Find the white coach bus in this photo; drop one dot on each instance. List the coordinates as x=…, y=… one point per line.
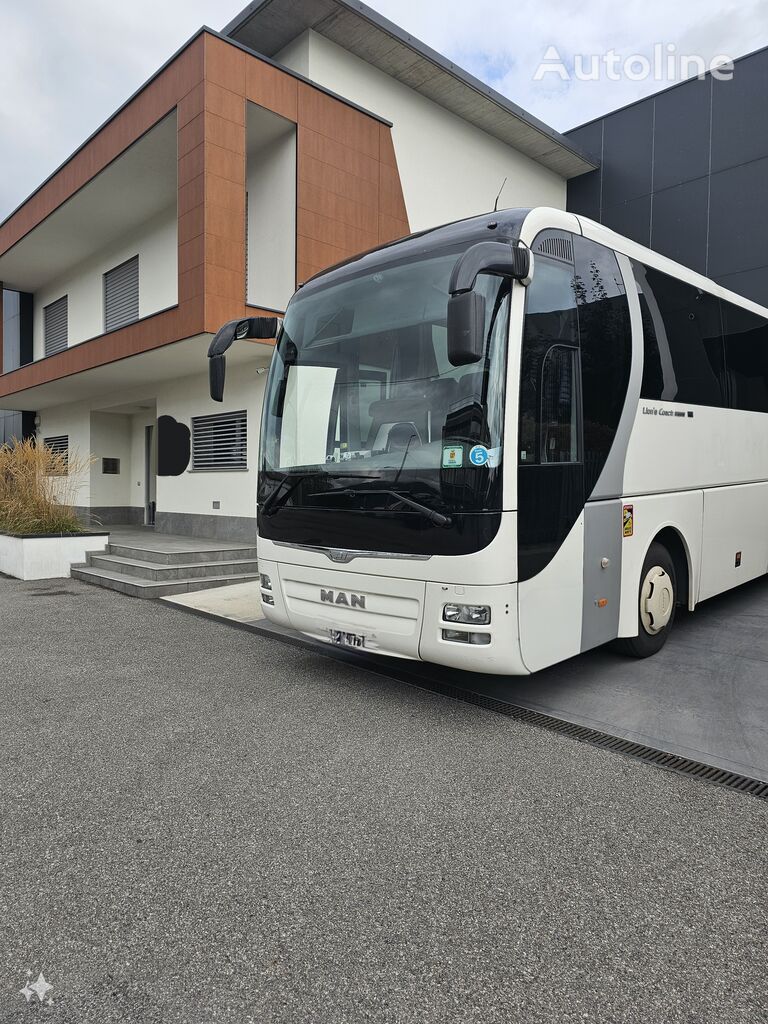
x=501, y=442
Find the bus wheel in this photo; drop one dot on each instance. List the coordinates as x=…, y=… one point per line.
x=657, y=600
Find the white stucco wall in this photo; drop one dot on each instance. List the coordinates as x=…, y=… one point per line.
x=74, y=420
x=155, y=242
x=45, y=558
x=121, y=435
x=448, y=168
x=271, y=186
x=296, y=54
x=111, y=439
x=197, y=491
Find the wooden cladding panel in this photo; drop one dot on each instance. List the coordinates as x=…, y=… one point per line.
x=349, y=196
x=348, y=201
x=271, y=88
x=225, y=109
x=142, y=336
x=335, y=120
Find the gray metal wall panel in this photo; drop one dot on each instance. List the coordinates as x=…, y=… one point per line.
x=703, y=199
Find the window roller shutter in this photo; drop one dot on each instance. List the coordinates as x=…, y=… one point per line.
x=55, y=323
x=121, y=295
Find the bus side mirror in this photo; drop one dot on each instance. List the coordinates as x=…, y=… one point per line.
x=466, y=328
x=217, y=368
x=256, y=327
x=466, y=308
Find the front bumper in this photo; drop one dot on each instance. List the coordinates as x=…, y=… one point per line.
x=396, y=617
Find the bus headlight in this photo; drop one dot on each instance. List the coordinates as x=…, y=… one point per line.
x=469, y=614
x=266, y=582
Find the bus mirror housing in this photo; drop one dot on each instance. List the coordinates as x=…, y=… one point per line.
x=466, y=328
x=466, y=308
x=259, y=328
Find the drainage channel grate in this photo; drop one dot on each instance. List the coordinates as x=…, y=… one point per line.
x=650, y=755
x=659, y=758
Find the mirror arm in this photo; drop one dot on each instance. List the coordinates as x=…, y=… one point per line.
x=258, y=327
x=491, y=258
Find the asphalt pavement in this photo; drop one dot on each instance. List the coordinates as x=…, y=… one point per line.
x=201, y=824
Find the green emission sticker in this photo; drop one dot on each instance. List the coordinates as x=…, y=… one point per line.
x=453, y=456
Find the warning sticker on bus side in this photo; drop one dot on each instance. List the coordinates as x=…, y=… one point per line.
x=629, y=520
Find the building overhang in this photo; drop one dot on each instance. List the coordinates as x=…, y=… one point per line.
x=140, y=374
x=267, y=26
x=137, y=186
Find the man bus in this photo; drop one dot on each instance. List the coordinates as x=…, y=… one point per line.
x=501, y=442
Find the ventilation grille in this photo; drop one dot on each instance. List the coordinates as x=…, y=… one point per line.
x=59, y=445
x=121, y=295
x=55, y=321
x=220, y=442
x=560, y=248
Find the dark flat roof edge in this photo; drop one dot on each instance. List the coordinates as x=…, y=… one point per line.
x=393, y=30
x=203, y=30
x=659, y=92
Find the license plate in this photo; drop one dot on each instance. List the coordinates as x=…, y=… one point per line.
x=342, y=639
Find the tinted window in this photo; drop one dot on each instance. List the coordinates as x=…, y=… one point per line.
x=605, y=334
x=746, y=355
x=551, y=473
x=683, y=341
x=547, y=376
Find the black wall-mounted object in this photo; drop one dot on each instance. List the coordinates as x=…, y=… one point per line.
x=173, y=446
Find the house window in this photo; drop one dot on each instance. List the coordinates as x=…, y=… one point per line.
x=55, y=323
x=121, y=295
x=220, y=442
x=59, y=447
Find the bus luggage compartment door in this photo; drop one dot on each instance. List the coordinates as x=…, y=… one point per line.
x=603, y=534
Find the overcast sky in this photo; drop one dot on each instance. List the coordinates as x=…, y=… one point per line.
x=68, y=64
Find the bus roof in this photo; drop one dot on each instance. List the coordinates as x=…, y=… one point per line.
x=523, y=224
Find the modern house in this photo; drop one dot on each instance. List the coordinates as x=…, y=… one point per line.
x=303, y=134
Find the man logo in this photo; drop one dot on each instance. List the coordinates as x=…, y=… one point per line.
x=350, y=600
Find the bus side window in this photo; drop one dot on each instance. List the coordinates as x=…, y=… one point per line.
x=560, y=405
x=746, y=356
x=693, y=328
x=605, y=335
x=550, y=333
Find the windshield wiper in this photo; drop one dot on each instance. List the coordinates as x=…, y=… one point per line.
x=431, y=514
x=276, y=498
x=271, y=505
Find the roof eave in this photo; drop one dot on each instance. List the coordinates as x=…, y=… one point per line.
x=544, y=144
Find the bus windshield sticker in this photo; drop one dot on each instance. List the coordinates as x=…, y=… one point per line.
x=478, y=455
x=453, y=456
x=629, y=520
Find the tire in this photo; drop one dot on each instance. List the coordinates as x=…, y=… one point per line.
x=657, y=599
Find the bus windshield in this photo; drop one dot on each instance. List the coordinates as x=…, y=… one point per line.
x=363, y=405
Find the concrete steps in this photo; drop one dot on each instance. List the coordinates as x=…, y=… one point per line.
x=155, y=570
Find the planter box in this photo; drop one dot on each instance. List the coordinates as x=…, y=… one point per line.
x=45, y=558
